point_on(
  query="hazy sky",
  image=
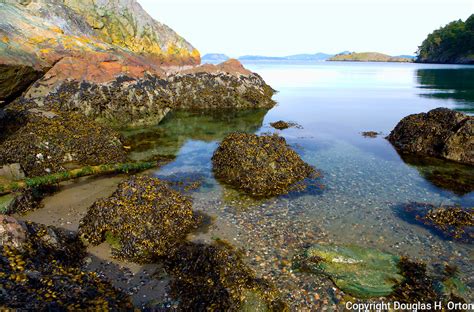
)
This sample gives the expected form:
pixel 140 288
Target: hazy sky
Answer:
pixel 284 27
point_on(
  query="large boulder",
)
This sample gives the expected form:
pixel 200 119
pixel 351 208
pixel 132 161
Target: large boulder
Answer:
pixel 261 166
pixel 441 132
pixel 143 220
pixel 44 142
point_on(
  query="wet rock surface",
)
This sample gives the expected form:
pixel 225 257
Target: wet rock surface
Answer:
pixel 451 222
pixel 43 273
pixel 44 142
pixel 441 132
pixel 142 221
pixel 262 166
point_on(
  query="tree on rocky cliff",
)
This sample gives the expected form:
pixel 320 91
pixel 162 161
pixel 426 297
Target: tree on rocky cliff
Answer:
pixel 453 43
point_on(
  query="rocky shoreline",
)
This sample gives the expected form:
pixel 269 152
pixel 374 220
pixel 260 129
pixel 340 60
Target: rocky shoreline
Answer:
pixel 68 86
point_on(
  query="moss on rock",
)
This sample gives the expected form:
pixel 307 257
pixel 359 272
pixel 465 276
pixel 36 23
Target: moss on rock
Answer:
pixel 144 218
pixel 261 166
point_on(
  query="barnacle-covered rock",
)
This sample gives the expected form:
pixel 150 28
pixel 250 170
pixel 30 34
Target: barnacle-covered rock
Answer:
pixel 130 101
pixel 360 272
pixel 43 142
pixel 144 219
pixel 261 166
pixel 215 277
pixel 441 132
pixel 451 221
pixel 44 274
pixel 12 233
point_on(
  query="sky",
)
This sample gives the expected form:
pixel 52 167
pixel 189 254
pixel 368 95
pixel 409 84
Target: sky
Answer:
pixel 285 27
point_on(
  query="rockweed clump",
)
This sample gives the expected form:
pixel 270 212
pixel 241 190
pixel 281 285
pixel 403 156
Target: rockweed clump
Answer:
pixel 261 166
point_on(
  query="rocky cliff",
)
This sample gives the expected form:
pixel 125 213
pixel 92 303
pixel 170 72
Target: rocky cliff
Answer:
pixel 110 60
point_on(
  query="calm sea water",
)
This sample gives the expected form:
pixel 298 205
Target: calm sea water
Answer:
pixel 365 178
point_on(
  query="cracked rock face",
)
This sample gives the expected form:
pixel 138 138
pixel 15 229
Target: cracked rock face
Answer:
pixel 441 133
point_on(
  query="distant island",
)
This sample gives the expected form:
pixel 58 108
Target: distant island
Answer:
pixel 214 58
pixel 371 57
pixel 452 44
pixel 297 57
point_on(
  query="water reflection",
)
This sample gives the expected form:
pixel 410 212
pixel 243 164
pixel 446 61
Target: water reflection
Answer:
pixel 449 84
pixel 447 175
pixel 177 128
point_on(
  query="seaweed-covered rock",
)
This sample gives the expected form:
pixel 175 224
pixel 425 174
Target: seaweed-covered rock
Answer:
pixel 370 134
pixel 261 166
pixel 144 219
pixel 214 277
pixel 360 272
pixel 44 142
pixel 282 125
pixel 44 274
pixel 416 285
pixel 452 221
pixel 441 132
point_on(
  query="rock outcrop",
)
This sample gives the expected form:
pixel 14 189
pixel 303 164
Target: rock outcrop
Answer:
pixel 146 100
pixel 261 166
pixel 111 61
pixel 441 133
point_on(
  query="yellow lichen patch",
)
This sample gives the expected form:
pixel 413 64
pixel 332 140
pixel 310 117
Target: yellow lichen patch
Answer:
pixel 5 39
pixel 56 29
pixel 45 51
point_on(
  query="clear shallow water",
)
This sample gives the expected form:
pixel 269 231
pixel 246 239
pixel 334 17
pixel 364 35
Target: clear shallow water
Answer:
pixel 365 178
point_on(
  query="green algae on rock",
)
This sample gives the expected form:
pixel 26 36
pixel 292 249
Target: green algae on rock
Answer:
pixel 452 221
pixel 368 273
pixel 41 271
pixel 214 277
pixel 360 272
pixel 145 219
pixel 261 166
pixel 44 142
